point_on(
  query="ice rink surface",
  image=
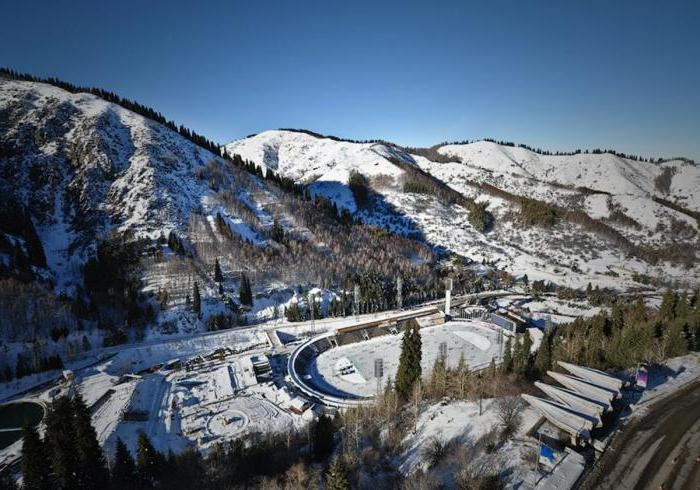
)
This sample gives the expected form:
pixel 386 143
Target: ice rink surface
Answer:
pixel 478 341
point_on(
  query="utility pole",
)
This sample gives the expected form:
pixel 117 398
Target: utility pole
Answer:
pixel 312 306
pixel 481 395
pixel 356 302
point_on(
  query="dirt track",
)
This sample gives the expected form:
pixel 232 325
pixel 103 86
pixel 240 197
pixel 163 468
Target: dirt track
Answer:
pixel 660 448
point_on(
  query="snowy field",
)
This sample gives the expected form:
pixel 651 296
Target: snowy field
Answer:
pixel 349 369
pixel 459 422
pixel 213 401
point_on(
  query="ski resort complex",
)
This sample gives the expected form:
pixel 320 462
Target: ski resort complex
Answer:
pixel 350 245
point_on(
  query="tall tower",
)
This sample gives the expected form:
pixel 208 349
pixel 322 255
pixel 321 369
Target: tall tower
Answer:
pixel 312 307
pixel 379 373
pixel 448 296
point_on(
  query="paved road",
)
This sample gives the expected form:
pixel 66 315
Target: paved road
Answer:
pixel 658 450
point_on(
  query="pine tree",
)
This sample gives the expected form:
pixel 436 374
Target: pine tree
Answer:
pixel 337 477
pixel 667 311
pixel 36 469
pixel 517 354
pixel 60 443
pixel 543 358
pixel 403 381
pixel 675 343
pixel 218 275
pixel 245 294
pixel 595 341
pixel 637 313
pixel 92 466
pixel 525 353
pixel 417 352
pixel 148 460
pixel 410 370
pixel 196 300
pixel 322 436
pixel 507 361
pixel 617 317
pixel 682 306
pixel 124 470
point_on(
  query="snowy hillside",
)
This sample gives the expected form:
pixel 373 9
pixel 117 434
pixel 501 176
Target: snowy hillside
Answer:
pixel 84 167
pixel 325 164
pixel 617 192
pixel 78 173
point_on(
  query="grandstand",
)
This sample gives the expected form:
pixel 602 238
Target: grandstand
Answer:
pixel 339 368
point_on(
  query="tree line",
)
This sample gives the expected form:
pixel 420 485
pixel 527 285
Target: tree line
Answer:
pixel 131 105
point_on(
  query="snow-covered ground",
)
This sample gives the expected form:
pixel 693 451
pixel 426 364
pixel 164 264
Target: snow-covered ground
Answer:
pixel 599 184
pixel 459 423
pixel 678 372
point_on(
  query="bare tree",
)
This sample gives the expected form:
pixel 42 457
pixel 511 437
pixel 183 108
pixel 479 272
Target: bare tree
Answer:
pixel 509 410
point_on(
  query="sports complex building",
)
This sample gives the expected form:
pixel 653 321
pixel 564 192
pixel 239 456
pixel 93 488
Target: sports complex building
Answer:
pixel 349 366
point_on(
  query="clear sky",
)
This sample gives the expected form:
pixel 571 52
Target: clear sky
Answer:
pixel 558 74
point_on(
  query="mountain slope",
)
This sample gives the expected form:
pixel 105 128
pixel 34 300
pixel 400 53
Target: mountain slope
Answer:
pixel 616 196
pixel 131 215
pixel 86 167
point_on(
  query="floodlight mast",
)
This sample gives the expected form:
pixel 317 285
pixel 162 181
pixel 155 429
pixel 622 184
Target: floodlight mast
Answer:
pixel 399 293
pixel 448 295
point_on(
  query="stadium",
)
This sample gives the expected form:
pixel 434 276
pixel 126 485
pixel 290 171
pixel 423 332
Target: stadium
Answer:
pixel 348 366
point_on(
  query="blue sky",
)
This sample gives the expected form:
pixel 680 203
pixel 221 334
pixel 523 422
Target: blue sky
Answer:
pixel 556 74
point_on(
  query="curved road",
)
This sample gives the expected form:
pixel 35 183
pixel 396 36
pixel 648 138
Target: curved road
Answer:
pixel 661 449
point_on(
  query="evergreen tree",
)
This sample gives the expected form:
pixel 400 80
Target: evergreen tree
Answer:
pixel 675 343
pixel 149 462
pixel 124 470
pixel 184 471
pixel 36 469
pixel 60 443
pixel 337 477
pixel 682 306
pixel 293 313
pixel 322 436
pixel 525 353
pixel 196 300
pixel 507 361
pixel 409 371
pixel 543 358
pixel 245 293
pixel 218 275
pixel 617 317
pixel 667 311
pixel 517 354
pixel 92 466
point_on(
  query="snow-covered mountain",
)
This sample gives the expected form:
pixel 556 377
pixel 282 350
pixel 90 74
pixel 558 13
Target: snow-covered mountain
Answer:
pixel 85 167
pixel 646 205
pixel 78 169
